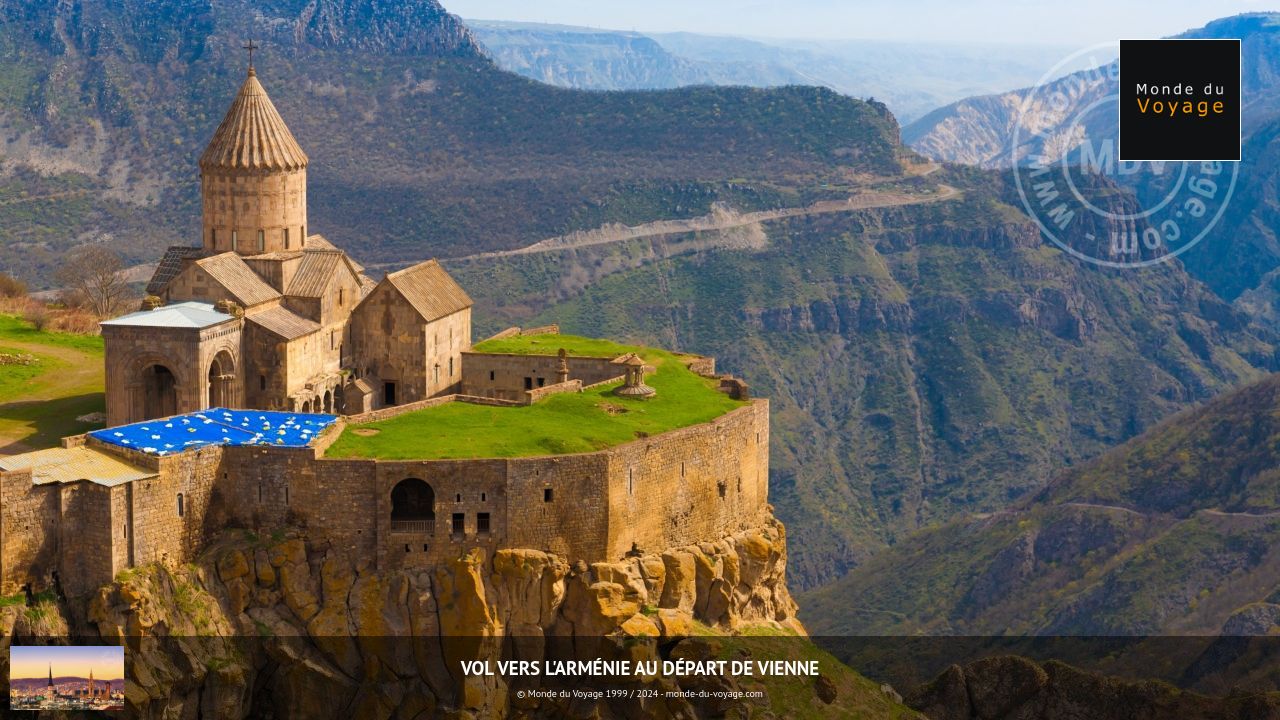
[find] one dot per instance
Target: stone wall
(28, 532)
(158, 531)
(86, 560)
(679, 488)
(508, 376)
(688, 485)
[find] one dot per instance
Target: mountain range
(1174, 533)
(929, 356)
(980, 130)
(911, 78)
(420, 148)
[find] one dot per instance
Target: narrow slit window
(181, 509)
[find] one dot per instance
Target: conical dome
(253, 136)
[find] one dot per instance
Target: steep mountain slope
(979, 130)
(922, 361)
(419, 145)
(1175, 533)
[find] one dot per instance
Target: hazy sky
(1040, 22)
(107, 662)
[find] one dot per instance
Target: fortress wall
(268, 486)
(574, 523)
(464, 487)
(159, 532)
(500, 375)
(121, 529)
(340, 502)
(29, 536)
(690, 485)
(84, 528)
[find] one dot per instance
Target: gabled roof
(318, 242)
(178, 315)
(430, 290)
(314, 273)
(283, 322)
(170, 265)
(233, 273)
(253, 136)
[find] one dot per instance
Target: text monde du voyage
(1181, 99)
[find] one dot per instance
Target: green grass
(15, 328)
(15, 380)
(12, 600)
(566, 423)
(551, 344)
(40, 403)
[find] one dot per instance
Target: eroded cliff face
(291, 625)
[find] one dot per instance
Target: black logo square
(1180, 100)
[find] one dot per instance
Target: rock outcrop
(297, 626)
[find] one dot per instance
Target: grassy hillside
(47, 380)
(1176, 532)
(921, 361)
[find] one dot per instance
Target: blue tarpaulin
(217, 426)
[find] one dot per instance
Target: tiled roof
(231, 271)
(314, 273)
(283, 322)
(178, 315)
(64, 465)
(170, 265)
(318, 242)
(430, 290)
(253, 136)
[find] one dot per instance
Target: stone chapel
(264, 314)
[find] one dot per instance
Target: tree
(11, 286)
(97, 275)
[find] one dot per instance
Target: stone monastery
(258, 349)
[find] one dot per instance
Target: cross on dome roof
(253, 136)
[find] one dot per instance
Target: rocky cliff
(286, 627)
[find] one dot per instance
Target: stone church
(264, 314)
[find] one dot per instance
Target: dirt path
(85, 368)
(58, 389)
(719, 218)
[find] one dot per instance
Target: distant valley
(911, 78)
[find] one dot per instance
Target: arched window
(413, 507)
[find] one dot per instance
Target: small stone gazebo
(633, 384)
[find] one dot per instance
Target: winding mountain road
(720, 218)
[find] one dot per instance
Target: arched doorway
(222, 380)
(328, 401)
(339, 403)
(306, 406)
(413, 507)
(159, 392)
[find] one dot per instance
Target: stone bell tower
(253, 179)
